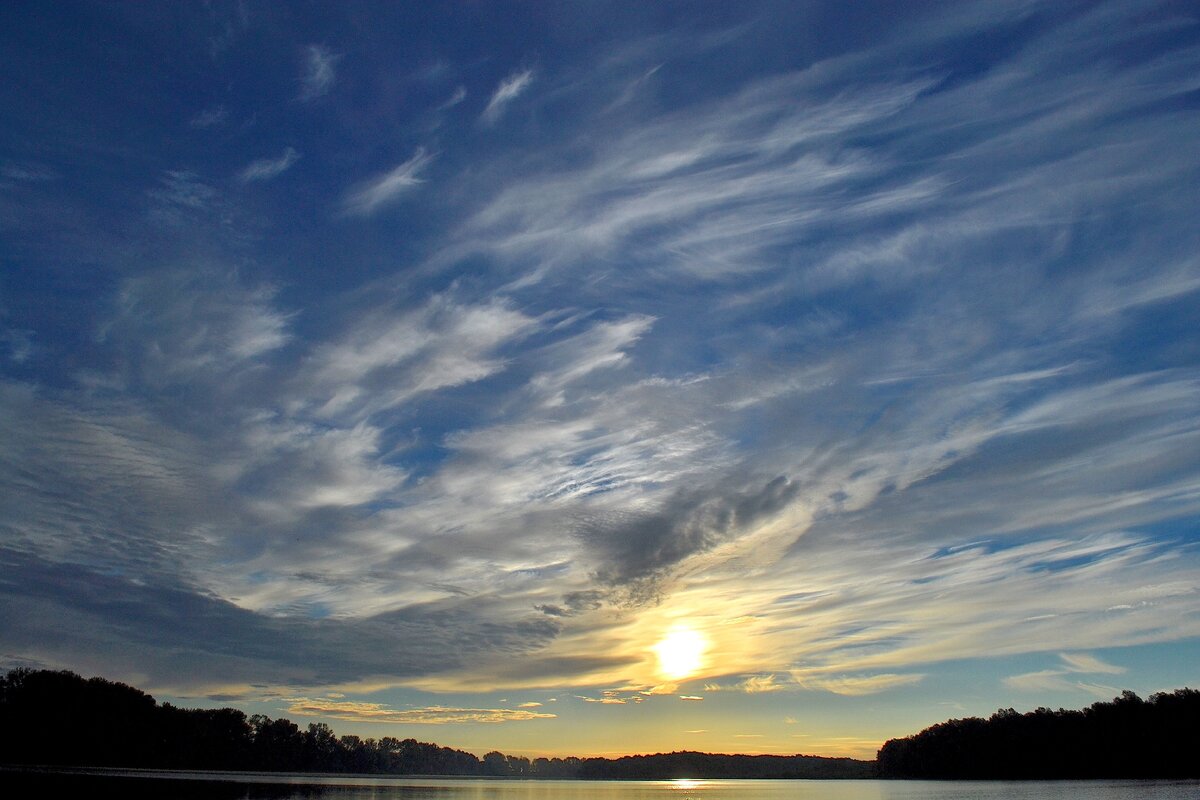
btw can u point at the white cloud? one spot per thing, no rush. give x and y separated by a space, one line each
374 193
508 90
1089 664
267 168
390 356
855 685
1059 680
320 72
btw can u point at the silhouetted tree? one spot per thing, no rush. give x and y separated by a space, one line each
1125 738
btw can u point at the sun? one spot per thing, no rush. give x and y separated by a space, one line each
680 652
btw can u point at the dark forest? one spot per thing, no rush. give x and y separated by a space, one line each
1127 737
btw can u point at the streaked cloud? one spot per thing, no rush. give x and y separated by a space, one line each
267 168
460 94
431 715
182 188
856 685
754 684
1089 664
506 92
1060 680
370 195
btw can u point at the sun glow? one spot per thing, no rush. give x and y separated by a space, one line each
681 653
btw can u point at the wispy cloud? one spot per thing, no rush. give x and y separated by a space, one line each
507 91
430 715
1060 680
320 72
754 684
375 193
25 172
183 188
454 99
856 685
18 343
265 169
188 325
1089 664
390 356
210 117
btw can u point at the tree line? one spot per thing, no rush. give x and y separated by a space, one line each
1126 738
61 719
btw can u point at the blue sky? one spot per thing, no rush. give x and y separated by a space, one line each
594 378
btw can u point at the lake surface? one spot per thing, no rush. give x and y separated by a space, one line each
128 785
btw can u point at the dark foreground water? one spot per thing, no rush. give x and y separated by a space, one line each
144 785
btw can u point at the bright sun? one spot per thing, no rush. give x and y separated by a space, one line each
680 653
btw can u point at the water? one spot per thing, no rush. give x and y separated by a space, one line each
144 785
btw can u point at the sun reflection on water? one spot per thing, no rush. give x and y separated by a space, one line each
686 784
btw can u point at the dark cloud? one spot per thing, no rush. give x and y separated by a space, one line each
641 546
182 637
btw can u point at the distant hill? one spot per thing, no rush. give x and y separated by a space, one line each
62 719
1126 738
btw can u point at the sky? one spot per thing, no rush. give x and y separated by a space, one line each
594 378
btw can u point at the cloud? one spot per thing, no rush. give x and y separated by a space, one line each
268 168
1055 681
710 194
508 90
180 325
754 684
856 685
210 117
695 521
27 172
175 635
369 196
612 697
183 188
320 72
431 715
18 343
1089 664
1058 680
460 94
391 356
691 697
531 704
